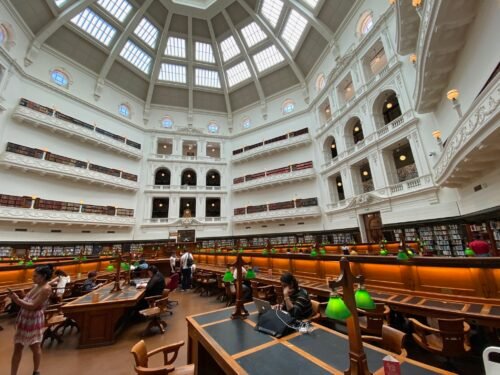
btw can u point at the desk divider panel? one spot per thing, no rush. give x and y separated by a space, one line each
454 281
331 269
261 262
303 267
382 275
280 265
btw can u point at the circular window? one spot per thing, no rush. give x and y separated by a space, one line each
246 123
320 82
2 35
167 122
124 110
288 106
213 127
59 78
366 24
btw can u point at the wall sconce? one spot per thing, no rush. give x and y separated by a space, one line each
437 135
452 96
327 110
402 157
333 145
356 129
365 173
388 105
413 59
417 4
392 2
339 184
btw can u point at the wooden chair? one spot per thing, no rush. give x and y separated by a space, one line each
451 339
208 283
230 293
391 340
53 320
141 356
278 289
173 284
264 292
154 312
371 321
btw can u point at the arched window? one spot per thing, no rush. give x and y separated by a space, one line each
167 122
246 123
213 178
162 177
188 177
320 82
365 23
288 106
59 77
3 34
6 35
124 110
213 127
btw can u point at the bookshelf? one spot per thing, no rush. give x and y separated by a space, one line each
5 251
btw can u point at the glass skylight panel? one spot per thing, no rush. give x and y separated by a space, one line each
271 10
253 34
311 3
172 73
267 58
229 48
238 73
136 56
207 78
147 32
294 27
94 25
176 47
60 3
117 8
203 52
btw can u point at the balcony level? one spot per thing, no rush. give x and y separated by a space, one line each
183 221
288 210
187 158
184 188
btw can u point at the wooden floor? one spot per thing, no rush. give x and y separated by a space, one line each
117 360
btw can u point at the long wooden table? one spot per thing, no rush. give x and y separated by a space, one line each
101 321
219 345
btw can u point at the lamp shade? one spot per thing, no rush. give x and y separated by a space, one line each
337 309
29 263
402 255
314 253
384 252
364 300
469 252
453 94
110 268
250 274
228 277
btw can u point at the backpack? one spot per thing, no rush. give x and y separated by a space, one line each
189 261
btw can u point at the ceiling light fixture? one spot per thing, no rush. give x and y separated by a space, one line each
187 204
388 105
402 157
356 129
333 145
365 173
339 184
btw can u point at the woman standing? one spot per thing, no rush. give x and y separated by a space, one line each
30 322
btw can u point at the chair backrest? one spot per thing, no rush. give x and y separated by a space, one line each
392 339
173 282
375 317
315 306
491 365
452 333
162 303
140 353
278 289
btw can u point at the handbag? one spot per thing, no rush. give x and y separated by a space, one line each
277 323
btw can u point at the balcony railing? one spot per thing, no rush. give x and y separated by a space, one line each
197 158
39 115
295 203
273 179
284 214
179 220
185 188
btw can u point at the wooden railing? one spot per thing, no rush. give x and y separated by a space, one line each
296 203
272 140
281 170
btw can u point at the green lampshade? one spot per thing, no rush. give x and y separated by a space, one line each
314 253
410 252
21 262
136 264
322 251
84 258
469 252
29 263
124 266
250 274
273 251
110 268
337 309
228 277
264 252
384 252
364 300
402 255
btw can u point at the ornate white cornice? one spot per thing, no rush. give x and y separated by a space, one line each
477 123
36 118
14 214
275 179
286 214
9 159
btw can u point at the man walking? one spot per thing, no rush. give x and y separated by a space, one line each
186 263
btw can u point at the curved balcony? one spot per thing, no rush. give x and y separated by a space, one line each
274 180
44 167
287 214
85 132
184 188
472 148
185 158
272 146
441 37
191 221
407 25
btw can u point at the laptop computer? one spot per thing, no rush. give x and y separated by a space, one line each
262 305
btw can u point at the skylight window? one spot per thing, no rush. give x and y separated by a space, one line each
271 10
311 3
267 58
294 27
207 78
203 52
238 73
60 3
176 47
117 8
147 32
94 25
229 48
136 56
172 73
253 34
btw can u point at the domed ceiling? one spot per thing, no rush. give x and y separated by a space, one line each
219 55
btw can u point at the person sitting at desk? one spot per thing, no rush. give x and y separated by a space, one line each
60 282
91 283
154 287
246 287
295 299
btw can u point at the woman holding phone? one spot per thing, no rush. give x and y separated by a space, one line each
30 322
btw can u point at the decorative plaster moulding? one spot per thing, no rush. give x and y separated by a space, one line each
275 180
15 215
185 222
43 167
52 123
286 214
167 189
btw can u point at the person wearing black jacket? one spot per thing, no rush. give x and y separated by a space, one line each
154 287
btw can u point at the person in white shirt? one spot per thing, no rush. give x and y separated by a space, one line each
60 282
173 259
246 287
187 262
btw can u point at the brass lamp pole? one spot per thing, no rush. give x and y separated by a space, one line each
240 312
358 364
